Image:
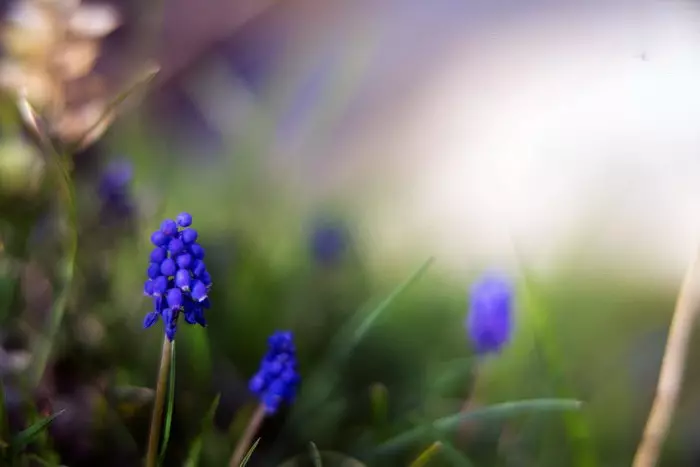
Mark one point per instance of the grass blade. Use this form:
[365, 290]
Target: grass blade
[25, 437]
[454, 455]
[315, 455]
[207, 423]
[444, 376]
[66, 270]
[503, 410]
[249, 453]
[352, 333]
[425, 456]
[365, 324]
[324, 379]
[575, 423]
[447, 450]
[379, 396]
[330, 458]
[170, 405]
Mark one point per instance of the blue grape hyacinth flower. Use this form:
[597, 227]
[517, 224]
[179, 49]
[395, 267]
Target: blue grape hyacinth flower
[328, 242]
[178, 280]
[114, 186]
[490, 319]
[277, 380]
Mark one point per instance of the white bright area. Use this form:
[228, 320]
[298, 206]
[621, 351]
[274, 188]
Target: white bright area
[568, 130]
[573, 132]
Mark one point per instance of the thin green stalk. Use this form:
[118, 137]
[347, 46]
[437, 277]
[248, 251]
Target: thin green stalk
[150, 73]
[249, 453]
[60, 163]
[171, 402]
[158, 404]
[247, 437]
[425, 456]
[576, 424]
[470, 402]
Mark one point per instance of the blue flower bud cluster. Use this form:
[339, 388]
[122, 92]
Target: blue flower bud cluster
[178, 280]
[490, 319]
[277, 380]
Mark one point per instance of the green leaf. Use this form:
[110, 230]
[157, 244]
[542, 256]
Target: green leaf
[40, 461]
[379, 396]
[248, 454]
[327, 457]
[575, 424]
[171, 403]
[358, 330]
[146, 77]
[506, 409]
[444, 447]
[196, 348]
[207, 423]
[454, 455]
[8, 286]
[322, 382]
[25, 437]
[66, 268]
[451, 372]
[449, 451]
[427, 454]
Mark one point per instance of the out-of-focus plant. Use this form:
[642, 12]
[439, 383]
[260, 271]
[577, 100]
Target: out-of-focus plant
[490, 318]
[328, 242]
[51, 49]
[48, 72]
[52, 105]
[275, 383]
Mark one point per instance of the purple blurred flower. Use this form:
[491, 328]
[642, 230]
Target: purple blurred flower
[115, 179]
[490, 319]
[278, 378]
[114, 187]
[328, 242]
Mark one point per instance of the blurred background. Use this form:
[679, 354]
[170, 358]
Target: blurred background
[325, 150]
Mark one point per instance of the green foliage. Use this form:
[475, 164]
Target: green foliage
[578, 428]
[169, 405]
[425, 456]
[384, 381]
[249, 453]
[30, 434]
[322, 458]
[506, 409]
[196, 446]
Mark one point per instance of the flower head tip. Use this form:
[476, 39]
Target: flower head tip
[277, 380]
[490, 319]
[177, 283]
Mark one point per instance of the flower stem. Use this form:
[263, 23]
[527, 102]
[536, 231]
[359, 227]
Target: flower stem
[247, 437]
[471, 402]
[61, 165]
[672, 370]
[157, 416]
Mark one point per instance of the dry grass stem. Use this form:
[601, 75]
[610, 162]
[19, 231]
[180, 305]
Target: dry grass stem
[672, 369]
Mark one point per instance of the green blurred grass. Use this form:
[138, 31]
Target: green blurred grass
[256, 231]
